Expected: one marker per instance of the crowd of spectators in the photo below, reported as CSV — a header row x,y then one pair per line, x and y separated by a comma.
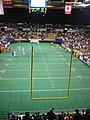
x,y
52,115
5,39
80,42
79,39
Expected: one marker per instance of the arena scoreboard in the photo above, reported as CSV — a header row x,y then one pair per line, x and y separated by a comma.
x,y
39,6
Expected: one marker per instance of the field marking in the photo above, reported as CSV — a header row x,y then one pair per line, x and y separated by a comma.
x,y
2,71
10,59
48,78
73,69
18,70
48,63
64,59
53,87
52,82
61,55
67,63
34,63
7,64
16,60
60,77
45,63
15,79
48,54
47,90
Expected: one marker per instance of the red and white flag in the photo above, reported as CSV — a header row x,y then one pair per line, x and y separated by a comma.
x,y
1,8
68,7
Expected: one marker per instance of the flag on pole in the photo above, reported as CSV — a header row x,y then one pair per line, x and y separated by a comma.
x,y
1,8
68,6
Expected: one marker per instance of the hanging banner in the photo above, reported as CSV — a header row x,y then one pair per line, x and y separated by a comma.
x,y
68,7
1,8
7,2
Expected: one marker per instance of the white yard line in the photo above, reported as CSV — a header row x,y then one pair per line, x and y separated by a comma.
x,y
14,79
6,64
48,63
47,90
48,78
26,70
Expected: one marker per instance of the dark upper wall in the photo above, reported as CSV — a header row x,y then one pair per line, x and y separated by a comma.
x,y
52,16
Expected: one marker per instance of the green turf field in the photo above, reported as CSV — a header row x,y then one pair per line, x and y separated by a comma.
x,y
50,79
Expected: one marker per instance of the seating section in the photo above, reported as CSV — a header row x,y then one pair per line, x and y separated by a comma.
x,y
52,115
73,36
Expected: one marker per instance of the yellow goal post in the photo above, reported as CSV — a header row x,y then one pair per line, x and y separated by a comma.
x,y
49,98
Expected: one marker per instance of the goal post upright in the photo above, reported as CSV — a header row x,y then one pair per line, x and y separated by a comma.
x,y
31,72
69,74
50,98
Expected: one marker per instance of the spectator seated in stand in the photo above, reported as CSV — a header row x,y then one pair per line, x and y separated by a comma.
x,y
51,115
77,115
